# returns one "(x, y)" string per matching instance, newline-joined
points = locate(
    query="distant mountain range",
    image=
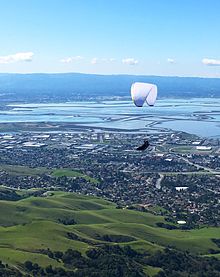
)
(72, 86)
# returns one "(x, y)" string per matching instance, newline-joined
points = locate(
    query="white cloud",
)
(211, 62)
(18, 57)
(94, 61)
(71, 59)
(169, 60)
(107, 60)
(130, 61)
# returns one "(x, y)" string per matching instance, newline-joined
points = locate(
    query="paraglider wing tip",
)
(138, 106)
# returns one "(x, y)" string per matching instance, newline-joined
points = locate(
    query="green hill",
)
(59, 221)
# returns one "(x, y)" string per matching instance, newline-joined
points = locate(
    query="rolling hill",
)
(59, 221)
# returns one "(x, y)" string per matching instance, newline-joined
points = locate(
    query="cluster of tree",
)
(6, 271)
(116, 261)
(9, 195)
(105, 261)
(115, 238)
(166, 225)
(217, 242)
(67, 221)
(180, 264)
(73, 236)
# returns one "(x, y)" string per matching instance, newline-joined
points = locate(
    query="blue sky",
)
(152, 37)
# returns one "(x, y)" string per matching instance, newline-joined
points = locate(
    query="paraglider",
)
(141, 92)
(144, 146)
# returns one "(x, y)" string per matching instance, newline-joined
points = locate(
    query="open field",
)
(35, 223)
(28, 171)
(73, 173)
(190, 150)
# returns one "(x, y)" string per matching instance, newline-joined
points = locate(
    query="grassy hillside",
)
(65, 220)
(73, 173)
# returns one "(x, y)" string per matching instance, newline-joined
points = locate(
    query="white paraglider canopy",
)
(141, 92)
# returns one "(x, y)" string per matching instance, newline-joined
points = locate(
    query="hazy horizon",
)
(107, 74)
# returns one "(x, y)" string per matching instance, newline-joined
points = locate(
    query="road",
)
(205, 168)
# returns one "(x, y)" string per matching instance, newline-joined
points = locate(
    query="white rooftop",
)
(181, 188)
(181, 222)
(203, 147)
